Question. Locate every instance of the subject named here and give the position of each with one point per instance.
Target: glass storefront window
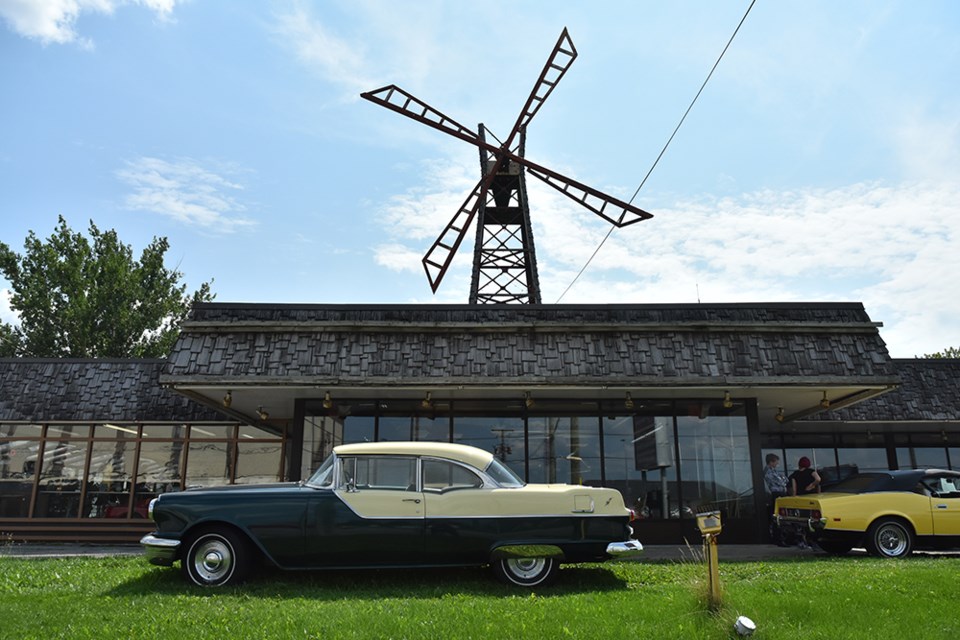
(61, 476)
(68, 431)
(160, 469)
(258, 462)
(715, 462)
(922, 457)
(96, 463)
(18, 460)
(109, 478)
(857, 460)
(214, 432)
(414, 427)
(639, 462)
(500, 435)
(209, 463)
(321, 433)
(564, 449)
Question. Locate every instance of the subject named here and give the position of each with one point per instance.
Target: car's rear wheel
(835, 547)
(216, 558)
(526, 572)
(889, 538)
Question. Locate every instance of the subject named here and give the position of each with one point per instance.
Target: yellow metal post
(710, 527)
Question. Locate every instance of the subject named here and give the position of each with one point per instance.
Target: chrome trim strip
(625, 549)
(160, 551)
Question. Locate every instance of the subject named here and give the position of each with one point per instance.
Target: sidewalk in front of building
(652, 553)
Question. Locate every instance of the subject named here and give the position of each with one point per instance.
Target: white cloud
(54, 21)
(7, 314)
(337, 59)
(893, 247)
(184, 191)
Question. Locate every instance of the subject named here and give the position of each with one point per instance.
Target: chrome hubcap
(892, 541)
(527, 568)
(213, 560)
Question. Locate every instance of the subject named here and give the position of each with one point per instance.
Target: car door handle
(941, 506)
(415, 500)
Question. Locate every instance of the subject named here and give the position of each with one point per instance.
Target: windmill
(504, 264)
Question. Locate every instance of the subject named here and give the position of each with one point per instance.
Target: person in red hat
(804, 480)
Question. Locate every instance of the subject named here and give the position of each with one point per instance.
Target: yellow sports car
(888, 512)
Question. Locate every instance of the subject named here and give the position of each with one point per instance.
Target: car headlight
(150, 507)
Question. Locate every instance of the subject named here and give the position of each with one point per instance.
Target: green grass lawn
(813, 597)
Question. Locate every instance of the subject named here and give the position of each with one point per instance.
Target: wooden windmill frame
(504, 266)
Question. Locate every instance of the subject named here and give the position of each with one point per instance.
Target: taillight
(633, 514)
(815, 514)
(783, 511)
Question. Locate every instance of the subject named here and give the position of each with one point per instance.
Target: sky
(820, 163)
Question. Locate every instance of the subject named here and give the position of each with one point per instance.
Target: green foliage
(83, 299)
(949, 352)
(812, 597)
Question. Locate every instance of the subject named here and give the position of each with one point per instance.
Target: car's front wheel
(216, 558)
(889, 538)
(526, 572)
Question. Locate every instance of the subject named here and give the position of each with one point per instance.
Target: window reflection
(564, 449)
(500, 435)
(714, 462)
(61, 476)
(639, 460)
(109, 478)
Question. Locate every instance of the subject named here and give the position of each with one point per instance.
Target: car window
(503, 475)
(378, 472)
(323, 477)
(946, 487)
(441, 476)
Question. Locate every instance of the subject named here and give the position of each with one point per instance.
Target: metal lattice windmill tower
(504, 263)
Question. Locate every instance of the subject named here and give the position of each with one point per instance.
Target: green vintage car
(392, 504)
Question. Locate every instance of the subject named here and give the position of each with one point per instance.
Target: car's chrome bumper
(625, 549)
(160, 551)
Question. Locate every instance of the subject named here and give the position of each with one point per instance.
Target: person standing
(804, 480)
(775, 482)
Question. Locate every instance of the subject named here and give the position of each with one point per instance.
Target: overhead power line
(664, 149)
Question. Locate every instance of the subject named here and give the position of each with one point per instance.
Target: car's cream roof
(460, 452)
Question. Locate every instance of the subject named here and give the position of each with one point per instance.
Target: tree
(949, 352)
(78, 299)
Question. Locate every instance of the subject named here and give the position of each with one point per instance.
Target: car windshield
(323, 477)
(503, 475)
(860, 483)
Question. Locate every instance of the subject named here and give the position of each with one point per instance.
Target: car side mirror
(351, 485)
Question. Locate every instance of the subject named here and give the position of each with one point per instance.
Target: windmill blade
(562, 56)
(438, 258)
(396, 99)
(613, 210)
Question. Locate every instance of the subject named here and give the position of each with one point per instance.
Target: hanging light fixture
(327, 400)
(727, 400)
(780, 417)
(628, 401)
(427, 402)
(825, 401)
(528, 399)
(228, 399)
(262, 413)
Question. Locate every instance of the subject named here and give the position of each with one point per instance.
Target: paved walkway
(652, 553)
(657, 553)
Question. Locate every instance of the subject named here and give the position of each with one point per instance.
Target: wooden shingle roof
(929, 390)
(671, 345)
(40, 389)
